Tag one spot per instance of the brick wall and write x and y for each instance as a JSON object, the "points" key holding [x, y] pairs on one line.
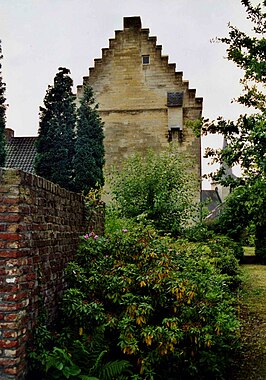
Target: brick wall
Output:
{"points": [[40, 225]]}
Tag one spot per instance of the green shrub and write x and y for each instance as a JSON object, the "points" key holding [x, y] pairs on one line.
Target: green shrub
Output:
{"points": [[197, 233], [224, 251], [115, 222], [224, 254], [160, 307], [157, 187], [59, 356], [163, 306], [242, 216]]}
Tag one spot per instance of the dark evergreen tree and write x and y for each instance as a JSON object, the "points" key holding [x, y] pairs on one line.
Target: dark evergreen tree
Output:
{"points": [[89, 155], [55, 143], [2, 116]]}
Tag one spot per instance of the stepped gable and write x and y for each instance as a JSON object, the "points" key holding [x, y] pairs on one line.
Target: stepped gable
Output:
{"points": [[143, 101], [134, 23]]}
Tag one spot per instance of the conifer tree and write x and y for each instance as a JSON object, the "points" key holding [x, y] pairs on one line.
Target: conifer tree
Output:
{"points": [[55, 143], [89, 152], [2, 116]]}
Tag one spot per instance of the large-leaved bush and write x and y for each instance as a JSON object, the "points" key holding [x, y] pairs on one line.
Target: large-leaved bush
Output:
{"points": [[164, 306]]}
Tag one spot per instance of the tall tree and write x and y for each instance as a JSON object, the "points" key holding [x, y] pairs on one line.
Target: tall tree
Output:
{"points": [[2, 115], [89, 152], [247, 136], [55, 143]]}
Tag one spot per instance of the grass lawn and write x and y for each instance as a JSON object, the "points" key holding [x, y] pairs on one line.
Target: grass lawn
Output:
{"points": [[251, 363]]}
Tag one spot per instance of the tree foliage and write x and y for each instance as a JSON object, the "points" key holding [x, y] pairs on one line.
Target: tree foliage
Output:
{"points": [[158, 187], [249, 54], [246, 138], [55, 143], [89, 152], [2, 115]]}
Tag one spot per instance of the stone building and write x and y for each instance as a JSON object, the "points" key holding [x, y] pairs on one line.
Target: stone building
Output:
{"points": [[143, 101]]}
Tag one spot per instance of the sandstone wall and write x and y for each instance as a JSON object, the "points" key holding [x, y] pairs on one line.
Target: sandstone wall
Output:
{"points": [[134, 100]]}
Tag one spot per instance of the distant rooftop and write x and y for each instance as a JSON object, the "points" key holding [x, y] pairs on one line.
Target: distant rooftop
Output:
{"points": [[21, 152], [211, 198]]}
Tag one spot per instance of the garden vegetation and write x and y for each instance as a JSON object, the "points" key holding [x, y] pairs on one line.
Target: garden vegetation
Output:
{"points": [[154, 298], [142, 303], [246, 138], [144, 306], [159, 188]]}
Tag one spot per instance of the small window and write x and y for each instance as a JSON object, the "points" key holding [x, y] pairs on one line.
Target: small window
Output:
{"points": [[174, 99], [175, 133], [145, 59]]}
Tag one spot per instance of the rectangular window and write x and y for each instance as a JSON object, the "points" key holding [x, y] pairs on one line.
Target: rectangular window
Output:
{"points": [[174, 99], [145, 59], [175, 133]]}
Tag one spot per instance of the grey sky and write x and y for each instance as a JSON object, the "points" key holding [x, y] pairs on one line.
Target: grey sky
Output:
{"points": [[38, 36]]}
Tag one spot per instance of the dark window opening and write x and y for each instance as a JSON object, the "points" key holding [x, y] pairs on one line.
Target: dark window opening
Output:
{"points": [[174, 99], [175, 134], [145, 59]]}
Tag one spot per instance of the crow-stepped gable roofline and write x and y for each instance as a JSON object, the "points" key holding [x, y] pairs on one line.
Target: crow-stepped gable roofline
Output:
{"points": [[142, 100], [134, 24]]}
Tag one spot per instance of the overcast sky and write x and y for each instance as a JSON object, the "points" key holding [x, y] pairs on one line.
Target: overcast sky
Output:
{"points": [[38, 36]]}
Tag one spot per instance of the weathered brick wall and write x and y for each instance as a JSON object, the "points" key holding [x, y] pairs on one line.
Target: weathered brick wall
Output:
{"points": [[40, 225]]}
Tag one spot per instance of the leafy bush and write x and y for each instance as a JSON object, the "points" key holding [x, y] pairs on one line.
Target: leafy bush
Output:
{"points": [[228, 246], [244, 212], [143, 306], [83, 358], [198, 232], [224, 251], [158, 187], [114, 222], [224, 254], [162, 305], [248, 237]]}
